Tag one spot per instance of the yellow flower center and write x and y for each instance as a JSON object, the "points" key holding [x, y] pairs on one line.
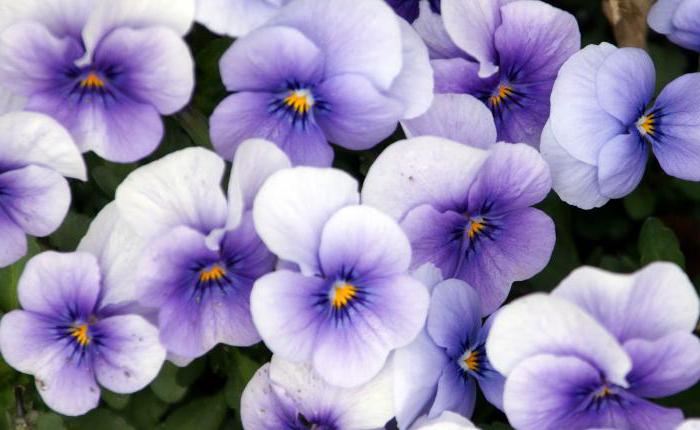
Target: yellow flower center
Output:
{"points": [[504, 91], [604, 392], [646, 124], [300, 100], [92, 81], [475, 227], [214, 273], [471, 361], [342, 294], [80, 333]]}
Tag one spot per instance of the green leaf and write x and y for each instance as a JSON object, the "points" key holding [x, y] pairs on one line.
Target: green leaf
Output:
{"points": [[50, 421], [196, 125], [659, 243], [641, 203], [145, 409], [114, 400], [166, 387], [686, 400], [9, 277], [74, 227], [187, 375], [102, 419], [240, 372], [202, 414]]}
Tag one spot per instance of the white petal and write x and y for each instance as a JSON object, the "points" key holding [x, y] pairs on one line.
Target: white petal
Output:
{"points": [[446, 421], [234, 17]]}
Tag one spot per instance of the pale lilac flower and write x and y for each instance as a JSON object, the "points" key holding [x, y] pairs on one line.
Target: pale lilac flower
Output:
{"points": [[174, 243], [286, 395], [106, 70], [591, 353], [35, 155], [602, 125], [340, 71], [446, 421], [236, 18], [410, 9], [70, 340], [679, 20], [351, 302], [691, 424], [467, 210], [440, 370], [506, 53]]}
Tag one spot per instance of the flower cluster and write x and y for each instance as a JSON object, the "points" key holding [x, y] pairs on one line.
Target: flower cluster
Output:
{"points": [[378, 290]]}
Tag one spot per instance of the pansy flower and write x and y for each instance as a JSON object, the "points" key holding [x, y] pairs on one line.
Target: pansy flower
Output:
{"points": [[591, 353], [410, 9], [340, 71], [35, 155], [106, 70], [351, 302], [70, 340], [446, 421], [603, 125], [467, 210], [198, 253], [236, 18], [506, 53], [440, 370], [678, 20], [286, 395]]}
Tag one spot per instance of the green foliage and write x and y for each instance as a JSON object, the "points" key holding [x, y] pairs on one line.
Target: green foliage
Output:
{"points": [[9, 277], [659, 243]]}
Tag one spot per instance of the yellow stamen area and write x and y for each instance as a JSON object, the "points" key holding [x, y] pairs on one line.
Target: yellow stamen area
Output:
{"points": [[92, 81], [300, 100], [343, 294], [80, 333], [504, 91], [646, 124], [472, 361], [475, 227], [604, 392], [214, 273]]}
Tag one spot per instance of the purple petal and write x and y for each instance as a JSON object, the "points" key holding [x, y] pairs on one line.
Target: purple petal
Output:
{"points": [[513, 177], [676, 142], [351, 354], [472, 24], [290, 330], [155, 64], [685, 23], [53, 283], [182, 188], [574, 181], [363, 241], [454, 393], [651, 303], [33, 59], [580, 125], [519, 249], [293, 206], [454, 316], [34, 138], [541, 324], [665, 366], [35, 198], [431, 29], [457, 75], [66, 387], [247, 115], [353, 100], [621, 164], [268, 58], [16, 328], [432, 236], [414, 85], [363, 39], [625, 83], [422, 170], [14, 244], [407, 10], [660, 16], [130, 354], [417, 369], [492, 386], [458, 117], [261, 408]]}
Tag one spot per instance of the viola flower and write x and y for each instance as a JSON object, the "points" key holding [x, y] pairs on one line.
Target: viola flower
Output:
{"points": [[677, 19], [439, 371], [343, 71], [286, 395], [506, 53], [35, 155], [236, 18], [446, 421], [591, 353], [107, 71], [467, 210], [410, 9], [198, 254], [351, 302], [70, 341], [598, 137]]}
